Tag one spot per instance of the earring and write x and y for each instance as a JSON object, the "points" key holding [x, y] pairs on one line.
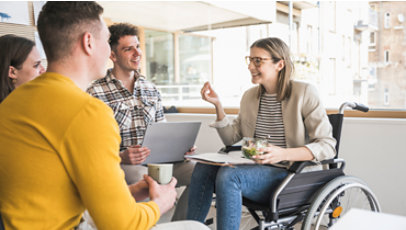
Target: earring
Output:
{"points": [[14, 81]]}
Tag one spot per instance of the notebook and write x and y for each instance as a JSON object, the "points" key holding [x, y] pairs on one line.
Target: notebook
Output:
{"points": [[169, 141]]}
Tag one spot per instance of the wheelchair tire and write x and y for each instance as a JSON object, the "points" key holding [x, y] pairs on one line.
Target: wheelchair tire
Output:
{"points": [[335, 199]]}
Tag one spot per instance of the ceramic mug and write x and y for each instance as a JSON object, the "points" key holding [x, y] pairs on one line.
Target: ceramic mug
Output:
{"points": [[162, 173]]}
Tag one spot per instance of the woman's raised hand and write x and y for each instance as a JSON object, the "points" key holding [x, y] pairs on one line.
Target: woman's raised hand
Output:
{"points": [[209, 95]]}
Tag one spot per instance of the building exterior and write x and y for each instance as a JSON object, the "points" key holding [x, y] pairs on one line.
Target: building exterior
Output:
{"points": [[387, 55]]}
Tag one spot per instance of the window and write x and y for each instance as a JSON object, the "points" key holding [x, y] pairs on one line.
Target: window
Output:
{"points": [[386, 96], [387, 20], [348, 52], [178, 70], [330, 15], [310, 40], [386, 57], [159, 56], [326, 50], [194, 65], [372, 38], [372, 79], [372, 42]]}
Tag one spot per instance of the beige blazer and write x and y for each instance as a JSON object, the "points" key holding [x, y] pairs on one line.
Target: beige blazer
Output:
{"points": [[304, 118]]}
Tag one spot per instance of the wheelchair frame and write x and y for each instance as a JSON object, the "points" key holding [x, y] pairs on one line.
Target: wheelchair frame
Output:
{"points": [[309, 196]]}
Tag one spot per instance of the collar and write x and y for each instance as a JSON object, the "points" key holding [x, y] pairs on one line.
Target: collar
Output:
{"points": [[111, 78]]}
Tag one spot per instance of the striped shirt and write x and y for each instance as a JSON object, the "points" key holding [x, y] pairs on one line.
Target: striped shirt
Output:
{"points": [[133, 112], [270, 121]]}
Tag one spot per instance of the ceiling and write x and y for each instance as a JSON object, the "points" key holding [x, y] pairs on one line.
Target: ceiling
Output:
{"points": [[189, 15]]}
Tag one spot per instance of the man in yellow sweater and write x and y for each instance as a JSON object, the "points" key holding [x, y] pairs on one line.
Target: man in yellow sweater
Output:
{"points": [[59, 145]]}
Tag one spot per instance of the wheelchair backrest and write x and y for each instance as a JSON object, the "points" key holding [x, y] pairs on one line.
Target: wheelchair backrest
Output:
{"points": [[336, 121]]}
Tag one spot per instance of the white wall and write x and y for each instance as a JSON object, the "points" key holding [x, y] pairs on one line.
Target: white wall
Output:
{"points": [[374, 150]]}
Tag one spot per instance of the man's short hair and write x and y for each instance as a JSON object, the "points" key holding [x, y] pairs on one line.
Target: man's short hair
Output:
{"points": [[120, 30], [61, 24]]}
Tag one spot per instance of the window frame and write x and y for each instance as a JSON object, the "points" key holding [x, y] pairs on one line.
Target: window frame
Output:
{"points": [[349, 113]]}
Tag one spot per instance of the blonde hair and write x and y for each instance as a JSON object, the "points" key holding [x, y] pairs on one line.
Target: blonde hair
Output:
{"points": [[278, 51]]}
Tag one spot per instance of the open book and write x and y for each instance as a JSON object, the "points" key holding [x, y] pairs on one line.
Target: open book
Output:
{"points": [[232, 158]]}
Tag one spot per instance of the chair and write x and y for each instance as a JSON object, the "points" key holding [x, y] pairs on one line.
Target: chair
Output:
{"points": [[316, 198]]}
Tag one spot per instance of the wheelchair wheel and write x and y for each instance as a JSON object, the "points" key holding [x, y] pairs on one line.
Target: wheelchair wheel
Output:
{"points": [[335, 199]]}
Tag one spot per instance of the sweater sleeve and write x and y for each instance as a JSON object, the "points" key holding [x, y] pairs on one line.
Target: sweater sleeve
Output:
{"points": [[321, 141], [89, 153], [230, 130]]}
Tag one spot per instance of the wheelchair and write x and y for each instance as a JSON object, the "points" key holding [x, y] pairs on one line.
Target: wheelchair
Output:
{"points": [[316, 199]]}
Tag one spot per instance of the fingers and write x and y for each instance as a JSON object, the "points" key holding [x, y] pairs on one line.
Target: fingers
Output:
{"points": [[138, 159], [263, 161], [141, 184], [206, 89], [191, 150], [267, 158], [138, 154], [149, 180], [203, 91], [173, 182], [137, 148]]}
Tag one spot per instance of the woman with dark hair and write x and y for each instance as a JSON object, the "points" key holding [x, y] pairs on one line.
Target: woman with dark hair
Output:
{"points": [[20, 62], [289, 113]]}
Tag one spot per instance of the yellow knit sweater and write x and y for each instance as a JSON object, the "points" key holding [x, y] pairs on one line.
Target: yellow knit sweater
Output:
{"points": [[59, 155]]}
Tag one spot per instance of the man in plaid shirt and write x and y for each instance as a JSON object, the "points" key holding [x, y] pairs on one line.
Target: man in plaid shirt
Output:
{"points": [[136, 102]]}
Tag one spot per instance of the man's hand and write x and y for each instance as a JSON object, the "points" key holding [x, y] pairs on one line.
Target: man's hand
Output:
{"points": [[191, 150], [134, 155], [163, 195], [139, 190]]}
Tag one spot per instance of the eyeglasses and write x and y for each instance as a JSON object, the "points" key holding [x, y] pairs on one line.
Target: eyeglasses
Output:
{"points": [[256, 60]]}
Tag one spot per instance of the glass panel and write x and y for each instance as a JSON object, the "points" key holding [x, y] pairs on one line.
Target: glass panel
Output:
{"points": [[159, 57], [340, 47], [195, 67]]}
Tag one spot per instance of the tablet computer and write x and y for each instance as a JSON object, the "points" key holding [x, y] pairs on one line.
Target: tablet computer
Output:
{"points": [[169, 141]]}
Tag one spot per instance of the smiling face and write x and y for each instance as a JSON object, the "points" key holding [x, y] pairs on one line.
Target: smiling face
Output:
{"points": [[30, 68], [266, 72], [127, 54]]}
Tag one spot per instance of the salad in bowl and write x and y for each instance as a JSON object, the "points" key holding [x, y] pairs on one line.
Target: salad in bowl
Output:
{"points": [[250, 146]]}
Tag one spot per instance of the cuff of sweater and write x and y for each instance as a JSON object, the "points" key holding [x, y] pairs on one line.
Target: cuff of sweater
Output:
{"points": [[220, 124]]}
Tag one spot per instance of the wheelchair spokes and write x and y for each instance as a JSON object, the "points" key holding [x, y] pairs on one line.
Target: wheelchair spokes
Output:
{"points": [[341, 194]]}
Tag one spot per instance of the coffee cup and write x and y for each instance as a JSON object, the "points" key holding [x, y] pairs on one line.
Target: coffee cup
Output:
{"points": [[162, 173]]}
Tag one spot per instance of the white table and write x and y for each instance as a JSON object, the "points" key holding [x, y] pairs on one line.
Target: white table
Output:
{"points": [[366, 220]]}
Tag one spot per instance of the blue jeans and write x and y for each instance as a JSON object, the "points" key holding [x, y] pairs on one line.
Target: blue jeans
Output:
{"points": [[254, 182]]}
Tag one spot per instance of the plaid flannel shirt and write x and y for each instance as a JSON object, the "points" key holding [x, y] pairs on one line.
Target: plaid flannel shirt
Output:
{"points": [[133, 112]]}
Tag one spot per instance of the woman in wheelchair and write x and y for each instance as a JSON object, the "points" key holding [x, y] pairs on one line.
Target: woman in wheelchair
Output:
{"points": [[287, 112]]}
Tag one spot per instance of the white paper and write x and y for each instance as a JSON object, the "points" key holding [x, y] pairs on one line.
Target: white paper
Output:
{"points": [[233, 158]]}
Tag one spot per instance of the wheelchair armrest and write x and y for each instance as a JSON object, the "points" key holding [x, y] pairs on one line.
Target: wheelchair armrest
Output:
{"points": [[334, 161], [298, 166], [227, 149]]}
